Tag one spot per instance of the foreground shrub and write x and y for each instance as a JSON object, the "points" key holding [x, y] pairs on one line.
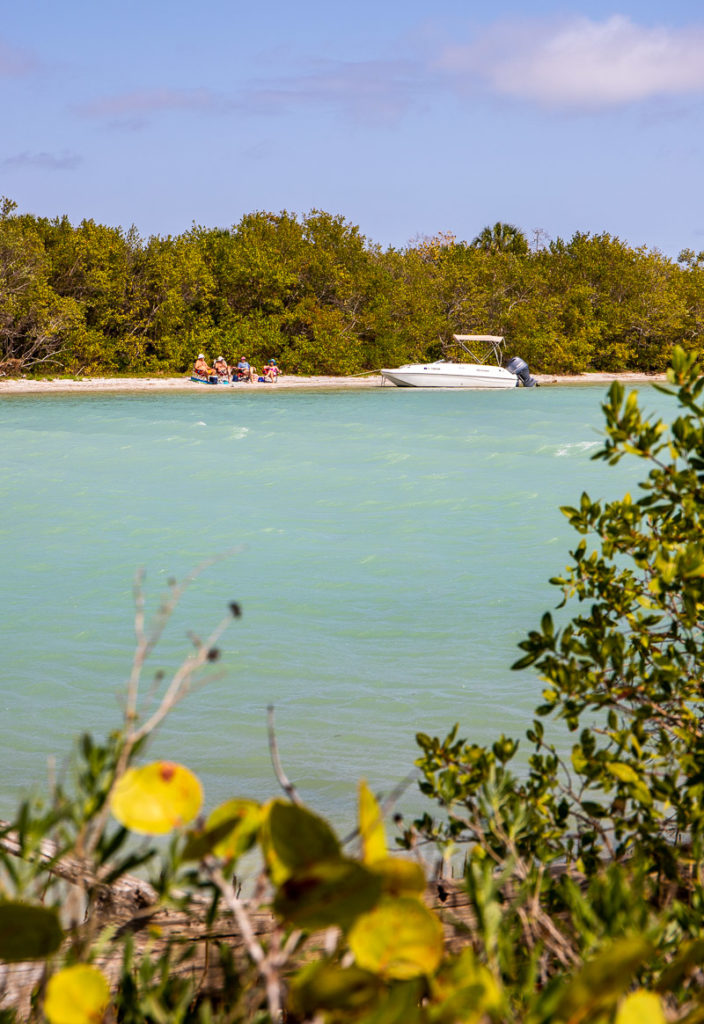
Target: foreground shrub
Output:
{"points": [[600, 849]]}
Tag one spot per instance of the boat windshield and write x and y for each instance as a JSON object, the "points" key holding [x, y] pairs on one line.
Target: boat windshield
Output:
{"points": [[485, 346]]}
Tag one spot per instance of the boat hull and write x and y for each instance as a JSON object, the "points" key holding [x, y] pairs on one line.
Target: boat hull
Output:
{"points": [[450, 375]]}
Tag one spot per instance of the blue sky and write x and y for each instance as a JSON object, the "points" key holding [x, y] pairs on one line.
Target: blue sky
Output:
{"points": [[406, 118]]}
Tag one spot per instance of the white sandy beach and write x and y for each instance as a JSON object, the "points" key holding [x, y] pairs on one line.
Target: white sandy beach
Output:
{"points": [[22, 385]]}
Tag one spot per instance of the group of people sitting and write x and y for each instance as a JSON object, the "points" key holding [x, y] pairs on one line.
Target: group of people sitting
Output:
{"points": [[241, 371]]}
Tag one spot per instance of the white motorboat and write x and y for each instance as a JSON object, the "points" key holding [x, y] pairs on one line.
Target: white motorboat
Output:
{"points": [[445, 373]]}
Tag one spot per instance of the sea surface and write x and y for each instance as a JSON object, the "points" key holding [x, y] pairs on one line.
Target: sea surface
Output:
{"points": [[389, 549]]}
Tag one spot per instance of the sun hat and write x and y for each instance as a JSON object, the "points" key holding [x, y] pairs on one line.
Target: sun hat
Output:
{"points": [[201, 355]]}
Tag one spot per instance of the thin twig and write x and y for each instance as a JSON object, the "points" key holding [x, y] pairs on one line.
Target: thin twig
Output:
{"points": [[283, 780], [177, 689], [256, 952]]}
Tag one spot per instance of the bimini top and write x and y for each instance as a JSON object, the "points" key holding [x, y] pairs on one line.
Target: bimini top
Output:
{"points": [[478, 337], [494, 342]]}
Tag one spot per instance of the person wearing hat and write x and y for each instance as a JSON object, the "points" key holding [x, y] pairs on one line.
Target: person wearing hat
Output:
{"points": [[245, 371], [201, 368], [271, 371], [221, 368]]}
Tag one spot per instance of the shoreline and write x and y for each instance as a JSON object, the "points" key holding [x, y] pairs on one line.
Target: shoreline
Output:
{"points": [[22, 386]]}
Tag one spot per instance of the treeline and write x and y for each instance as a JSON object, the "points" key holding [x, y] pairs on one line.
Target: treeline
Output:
{"points": [[317, 295]]}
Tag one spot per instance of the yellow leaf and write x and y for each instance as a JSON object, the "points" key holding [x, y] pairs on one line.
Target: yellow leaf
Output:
{"points": [[156, 798], [400, 938], [579, 761], [400, 877], [76, 995], [246, 818], [623, 772], [640, 1007], [371, 827]]}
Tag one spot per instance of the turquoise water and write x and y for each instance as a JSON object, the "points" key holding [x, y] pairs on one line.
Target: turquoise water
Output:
{"points": [[392, 548]]}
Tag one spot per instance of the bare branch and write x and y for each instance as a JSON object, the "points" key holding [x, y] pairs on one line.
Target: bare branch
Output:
{"points": [[267, 968], [281, 776]]}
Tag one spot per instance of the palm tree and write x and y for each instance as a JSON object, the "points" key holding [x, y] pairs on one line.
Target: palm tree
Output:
{"points": [[502, 238]]}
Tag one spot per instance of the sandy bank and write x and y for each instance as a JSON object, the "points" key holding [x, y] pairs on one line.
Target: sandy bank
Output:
{"points": [[19, 386]]}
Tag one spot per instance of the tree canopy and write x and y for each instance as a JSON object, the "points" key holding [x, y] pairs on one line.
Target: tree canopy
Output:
{"points": [[502, 238], [317, 295]]}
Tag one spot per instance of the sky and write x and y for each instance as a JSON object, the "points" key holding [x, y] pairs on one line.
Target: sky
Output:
{"points": [[406, 118]]}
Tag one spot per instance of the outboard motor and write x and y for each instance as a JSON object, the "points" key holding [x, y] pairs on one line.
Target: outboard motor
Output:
{"points": [[520, 368]]}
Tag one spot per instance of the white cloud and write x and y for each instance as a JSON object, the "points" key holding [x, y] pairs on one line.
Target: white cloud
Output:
{"points": [[582, 63]]}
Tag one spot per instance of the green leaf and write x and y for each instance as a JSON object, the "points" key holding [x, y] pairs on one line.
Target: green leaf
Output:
{"points": [[28, 932], [324, 986], [400, 1003], [201, 842], [601, 981], [463, 990], [688, 956], [333, 892], [293, 839], [230, 830]]}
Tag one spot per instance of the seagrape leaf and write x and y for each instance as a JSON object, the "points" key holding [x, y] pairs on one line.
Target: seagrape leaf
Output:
{"points": [[371, 826], [399, 876], [465, 990], [28, 932], [400, 938], [326, 986], [201, 842], [399, 1003], [156, 798], [77, 995], [332, 892], [293, 838], [248, 815], [605, 978], [640, 1007], [231, 830]]}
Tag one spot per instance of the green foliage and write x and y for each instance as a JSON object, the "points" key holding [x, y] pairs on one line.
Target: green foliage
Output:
{"points": [[319, 297], [582, 852], [502, 238], [28, 932]]}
